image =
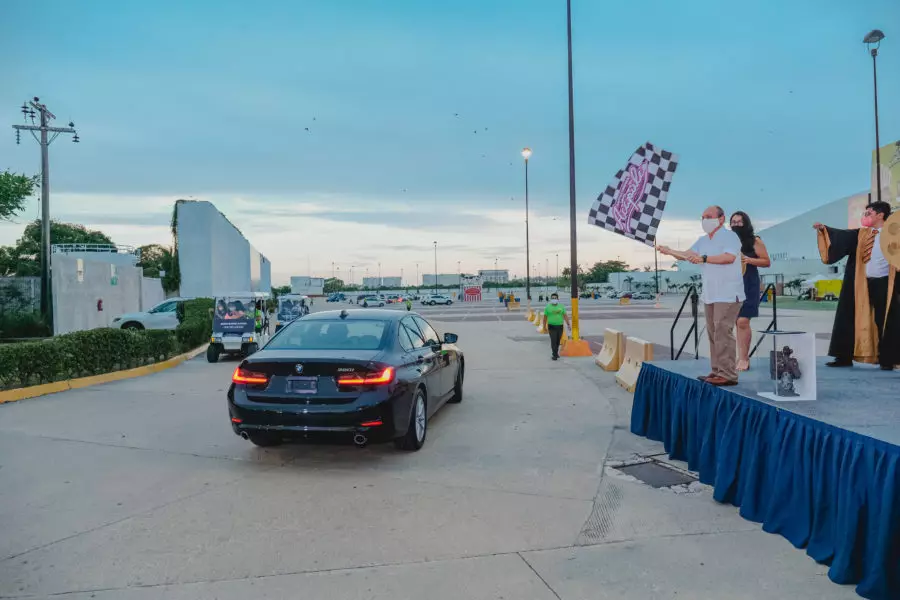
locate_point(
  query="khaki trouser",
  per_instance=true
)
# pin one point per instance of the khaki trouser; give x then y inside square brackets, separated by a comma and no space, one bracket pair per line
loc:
[720,323]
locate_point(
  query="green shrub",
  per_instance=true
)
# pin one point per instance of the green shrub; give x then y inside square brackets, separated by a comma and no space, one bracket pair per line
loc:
[23,325]
[195,323]
[81,354]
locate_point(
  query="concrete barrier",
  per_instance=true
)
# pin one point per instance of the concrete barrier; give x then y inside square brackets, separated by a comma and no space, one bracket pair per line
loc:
[624,300]
[531,315]
[611,355]
[636,352]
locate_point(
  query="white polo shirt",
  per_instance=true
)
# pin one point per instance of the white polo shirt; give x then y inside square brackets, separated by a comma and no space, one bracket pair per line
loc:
[721,283]
[878,265]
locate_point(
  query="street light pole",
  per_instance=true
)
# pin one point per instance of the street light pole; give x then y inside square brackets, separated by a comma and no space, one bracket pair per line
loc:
[557,271]
[575,347]
[459,273]
[31,109]
[873,42]
[435,268]
[526,154]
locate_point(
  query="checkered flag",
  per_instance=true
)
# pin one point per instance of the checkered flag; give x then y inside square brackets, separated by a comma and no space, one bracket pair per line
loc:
[632,205]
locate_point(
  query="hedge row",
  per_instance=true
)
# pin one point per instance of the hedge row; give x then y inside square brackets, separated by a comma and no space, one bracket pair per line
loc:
[194,322]
[98,351]
[81,354]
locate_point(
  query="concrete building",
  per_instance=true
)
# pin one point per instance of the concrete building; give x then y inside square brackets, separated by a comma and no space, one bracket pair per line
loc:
[443,279]
[214,256]
[384,282]
[308,286]
[494,275]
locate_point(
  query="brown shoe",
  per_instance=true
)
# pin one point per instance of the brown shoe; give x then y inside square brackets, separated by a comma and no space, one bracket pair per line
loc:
[705,377]
[720,381]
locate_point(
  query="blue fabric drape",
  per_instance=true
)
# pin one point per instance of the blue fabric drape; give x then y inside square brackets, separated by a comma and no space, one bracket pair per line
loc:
[829,490]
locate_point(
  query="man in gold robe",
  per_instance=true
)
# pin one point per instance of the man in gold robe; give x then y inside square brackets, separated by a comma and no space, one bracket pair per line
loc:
[867,322]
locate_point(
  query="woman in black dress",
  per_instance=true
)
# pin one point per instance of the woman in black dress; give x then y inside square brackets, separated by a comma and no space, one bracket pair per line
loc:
[753,257]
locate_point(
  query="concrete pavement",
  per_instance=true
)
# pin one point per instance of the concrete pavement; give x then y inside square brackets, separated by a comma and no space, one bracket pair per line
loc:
[138,489]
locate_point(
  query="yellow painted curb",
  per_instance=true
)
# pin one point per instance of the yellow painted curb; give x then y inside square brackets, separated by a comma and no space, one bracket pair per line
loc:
[82,382]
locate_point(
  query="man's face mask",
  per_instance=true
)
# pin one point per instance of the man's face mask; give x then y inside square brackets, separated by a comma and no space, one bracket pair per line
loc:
[554,300]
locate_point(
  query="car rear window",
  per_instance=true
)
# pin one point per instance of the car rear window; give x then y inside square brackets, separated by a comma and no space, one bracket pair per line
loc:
[331,334]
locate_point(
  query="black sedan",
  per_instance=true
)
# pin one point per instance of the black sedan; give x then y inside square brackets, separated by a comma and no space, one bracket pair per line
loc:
[366,375]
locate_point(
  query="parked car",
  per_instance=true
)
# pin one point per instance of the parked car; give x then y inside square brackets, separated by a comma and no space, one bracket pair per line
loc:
[337,297]
[642,296]
[368,301]
[625,295]
[432,299]
[612,294]
[162,316]
[369,376]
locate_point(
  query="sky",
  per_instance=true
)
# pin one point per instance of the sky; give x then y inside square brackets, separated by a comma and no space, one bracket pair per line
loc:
[355,132]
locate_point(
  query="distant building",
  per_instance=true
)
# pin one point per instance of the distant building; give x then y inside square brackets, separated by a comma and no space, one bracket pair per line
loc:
[443,279]
[308,286]
[384,282]
[494,275]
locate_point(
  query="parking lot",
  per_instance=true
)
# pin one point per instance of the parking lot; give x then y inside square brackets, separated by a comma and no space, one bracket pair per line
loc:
[139,489]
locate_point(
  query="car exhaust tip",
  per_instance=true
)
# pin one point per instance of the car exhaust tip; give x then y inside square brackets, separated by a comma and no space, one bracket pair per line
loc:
[245,435]
[360,440]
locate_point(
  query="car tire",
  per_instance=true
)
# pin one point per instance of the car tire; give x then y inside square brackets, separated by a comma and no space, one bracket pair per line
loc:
[365,305]
[417,429]
[263,439]
[432,303]
[458,386]
[133,326]
[449,302]
[212,353]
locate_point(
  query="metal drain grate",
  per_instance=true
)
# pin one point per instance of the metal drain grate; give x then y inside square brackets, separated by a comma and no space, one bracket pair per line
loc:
[657,475]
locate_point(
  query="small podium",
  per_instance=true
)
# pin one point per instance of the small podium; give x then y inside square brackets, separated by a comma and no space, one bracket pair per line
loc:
[789,367]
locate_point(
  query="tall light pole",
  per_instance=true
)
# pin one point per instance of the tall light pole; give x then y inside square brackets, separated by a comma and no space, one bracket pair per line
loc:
[459,273]
[31,109]
[379,276]
[401,276]
[435,268]
[351,274]
[575,347]
[873,42]
[417,275]
[557,271]
[332,269]
[526,154]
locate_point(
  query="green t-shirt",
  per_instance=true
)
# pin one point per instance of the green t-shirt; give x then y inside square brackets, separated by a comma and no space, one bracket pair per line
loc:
[554,314]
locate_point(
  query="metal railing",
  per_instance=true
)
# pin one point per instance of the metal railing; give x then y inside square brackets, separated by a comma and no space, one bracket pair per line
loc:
[773,325]
[105,248]
[695,299]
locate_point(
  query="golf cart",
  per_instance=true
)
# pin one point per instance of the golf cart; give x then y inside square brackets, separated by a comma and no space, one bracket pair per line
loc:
[234,328]
[290,307]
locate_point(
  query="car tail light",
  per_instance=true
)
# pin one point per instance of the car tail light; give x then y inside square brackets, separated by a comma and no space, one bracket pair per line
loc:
[247,377]
[377,423]
[378,378]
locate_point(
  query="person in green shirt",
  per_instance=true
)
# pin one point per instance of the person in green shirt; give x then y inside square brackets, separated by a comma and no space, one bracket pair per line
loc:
[554,318]
[408,304]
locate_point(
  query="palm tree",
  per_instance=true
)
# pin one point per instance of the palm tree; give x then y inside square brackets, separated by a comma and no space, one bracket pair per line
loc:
[628,280]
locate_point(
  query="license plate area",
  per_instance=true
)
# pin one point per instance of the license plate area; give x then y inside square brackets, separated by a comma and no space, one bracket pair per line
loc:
[302,385]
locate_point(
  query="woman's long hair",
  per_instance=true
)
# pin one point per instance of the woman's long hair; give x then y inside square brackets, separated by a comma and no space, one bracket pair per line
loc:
[745,233]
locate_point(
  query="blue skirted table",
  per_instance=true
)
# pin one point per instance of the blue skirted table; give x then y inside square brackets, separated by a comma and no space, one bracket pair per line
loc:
[827,480]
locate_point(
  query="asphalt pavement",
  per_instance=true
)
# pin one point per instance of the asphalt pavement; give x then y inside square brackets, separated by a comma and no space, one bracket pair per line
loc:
[138,489]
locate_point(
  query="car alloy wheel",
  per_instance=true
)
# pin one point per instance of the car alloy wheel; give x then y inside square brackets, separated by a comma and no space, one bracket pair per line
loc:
[420,419]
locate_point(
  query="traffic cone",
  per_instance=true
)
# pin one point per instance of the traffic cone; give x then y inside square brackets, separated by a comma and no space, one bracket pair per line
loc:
[542,325]
[530,316]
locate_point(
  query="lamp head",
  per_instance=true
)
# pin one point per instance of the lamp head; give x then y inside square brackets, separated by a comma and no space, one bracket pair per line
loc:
[526,153]
[873,37]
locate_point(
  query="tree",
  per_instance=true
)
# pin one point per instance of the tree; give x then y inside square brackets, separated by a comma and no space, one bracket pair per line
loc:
[14,189]
[332,285]
[156,259]
[629,281]
[24,259]
[794,284]
[668,283]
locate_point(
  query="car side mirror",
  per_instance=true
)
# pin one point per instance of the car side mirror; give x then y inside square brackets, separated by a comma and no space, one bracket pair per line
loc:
[450,338]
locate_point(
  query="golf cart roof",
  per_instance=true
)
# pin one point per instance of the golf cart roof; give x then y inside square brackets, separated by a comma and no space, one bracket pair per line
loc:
[245,295]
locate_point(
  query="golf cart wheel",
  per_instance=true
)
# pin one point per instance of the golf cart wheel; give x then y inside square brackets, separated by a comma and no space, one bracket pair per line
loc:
[212,353]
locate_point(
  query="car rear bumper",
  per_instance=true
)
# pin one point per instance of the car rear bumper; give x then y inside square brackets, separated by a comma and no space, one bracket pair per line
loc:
[295,421]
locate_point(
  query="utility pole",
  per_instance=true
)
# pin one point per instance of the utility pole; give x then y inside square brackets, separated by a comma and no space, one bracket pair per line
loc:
[31,109]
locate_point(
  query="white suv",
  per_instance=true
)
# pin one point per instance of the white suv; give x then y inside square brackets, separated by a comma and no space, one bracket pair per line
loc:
[432,299]
[161,316]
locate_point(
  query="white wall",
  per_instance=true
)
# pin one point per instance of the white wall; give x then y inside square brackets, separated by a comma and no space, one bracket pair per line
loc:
[151,292]
[75,302]
[308,286]
[214,257]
